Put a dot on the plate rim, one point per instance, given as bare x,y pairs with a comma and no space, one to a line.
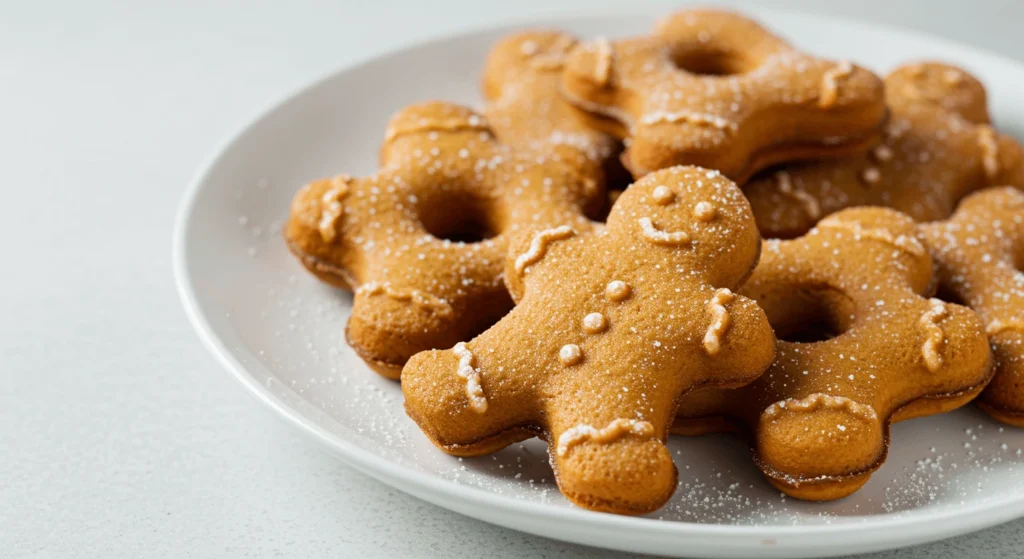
889,530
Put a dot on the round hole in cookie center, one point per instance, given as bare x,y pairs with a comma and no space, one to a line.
807,314
706,62
460,218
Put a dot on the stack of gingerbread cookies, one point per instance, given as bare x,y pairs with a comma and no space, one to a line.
808,253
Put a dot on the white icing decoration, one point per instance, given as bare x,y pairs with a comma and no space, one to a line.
720,321
539,245
657,236
612,432
818,401
830,83
331,207
466,370
906,243
662,195
989,151
595,323
999,326
617,290
693,117
603,65
474,122
417,297
931,351
570,354
705,211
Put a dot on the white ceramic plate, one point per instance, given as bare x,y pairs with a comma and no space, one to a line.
278,331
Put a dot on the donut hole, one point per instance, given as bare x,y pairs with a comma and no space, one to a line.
808,314
945,293
706,62
460,218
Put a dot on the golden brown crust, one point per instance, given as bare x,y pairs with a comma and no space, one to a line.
612,326
716,89
819,418
979,254
937,148
394,237
521,83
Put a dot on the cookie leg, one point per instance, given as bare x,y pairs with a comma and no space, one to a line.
821,447
610,462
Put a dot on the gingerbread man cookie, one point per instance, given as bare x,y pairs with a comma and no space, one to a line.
422,242
938,147
980,258
716,89
611,327
860,346
521,83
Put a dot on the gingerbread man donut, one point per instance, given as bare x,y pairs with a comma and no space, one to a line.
422,242
860,346
521,83
715,89
938,147
980,258
611,327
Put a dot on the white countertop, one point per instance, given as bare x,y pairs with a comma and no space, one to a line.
121,435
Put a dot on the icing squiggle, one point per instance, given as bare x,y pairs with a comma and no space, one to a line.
931,351
819,401
989,151
551,59
909,244
603,66
539,245
786,188
830,83
612,432
331,208
691,117
659,237
720,323
417,297
466,370
999,326
473,122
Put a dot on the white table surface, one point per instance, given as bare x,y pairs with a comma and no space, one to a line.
119,434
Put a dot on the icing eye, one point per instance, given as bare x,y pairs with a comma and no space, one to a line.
663,195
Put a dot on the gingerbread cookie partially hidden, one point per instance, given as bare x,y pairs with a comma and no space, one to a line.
716,89
422,242
611,327
980,257
938,147
860,346
521,83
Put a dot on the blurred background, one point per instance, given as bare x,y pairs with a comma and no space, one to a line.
120,435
